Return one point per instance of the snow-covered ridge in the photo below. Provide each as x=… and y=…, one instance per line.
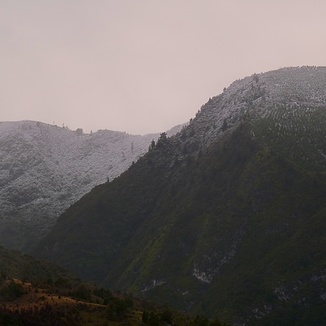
x=256, y=96
x=44, y=169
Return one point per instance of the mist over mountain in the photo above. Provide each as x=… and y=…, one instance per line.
x=44, y=169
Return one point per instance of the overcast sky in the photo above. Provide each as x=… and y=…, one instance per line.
x=143, y=66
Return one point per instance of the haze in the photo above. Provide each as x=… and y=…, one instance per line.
x=143, y=66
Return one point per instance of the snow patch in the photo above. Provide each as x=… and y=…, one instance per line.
x=201, y=276
x=152, y=285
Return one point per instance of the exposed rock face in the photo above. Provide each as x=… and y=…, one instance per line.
x=44, y=169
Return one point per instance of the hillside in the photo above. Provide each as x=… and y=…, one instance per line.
x=225, y=218
x=36, y=293
x=44, y=169
x=20, y=266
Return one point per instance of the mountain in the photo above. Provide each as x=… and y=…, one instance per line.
x=225, y=218
x=44, y=169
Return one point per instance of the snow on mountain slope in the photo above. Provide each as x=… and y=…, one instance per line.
x=258, y=95
x=44, y=169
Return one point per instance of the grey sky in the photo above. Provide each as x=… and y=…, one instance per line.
x=143, y=65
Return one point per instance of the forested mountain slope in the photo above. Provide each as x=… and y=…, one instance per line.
x=227, y=217
x=44, y=169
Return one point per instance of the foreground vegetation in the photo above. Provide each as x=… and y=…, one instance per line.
x=36, y=293
x=62, y=303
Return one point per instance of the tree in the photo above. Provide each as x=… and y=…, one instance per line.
x=162, y=140
x=163, y=136
x=152, y=145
